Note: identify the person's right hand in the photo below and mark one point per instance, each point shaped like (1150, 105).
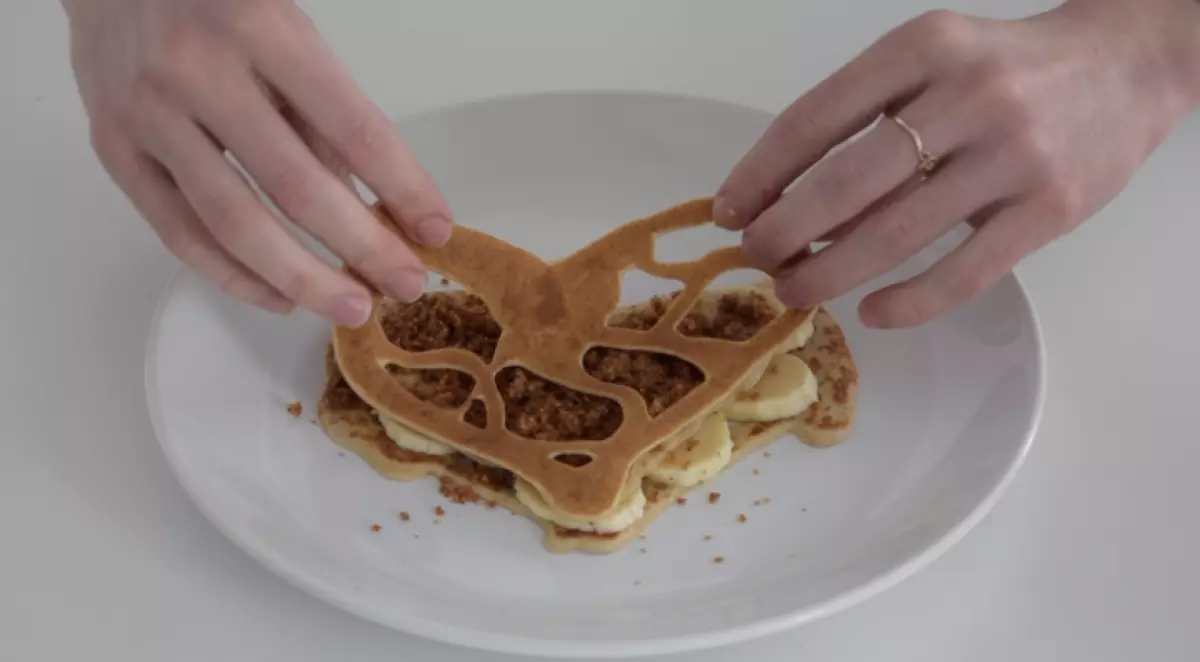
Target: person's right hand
(170, 84)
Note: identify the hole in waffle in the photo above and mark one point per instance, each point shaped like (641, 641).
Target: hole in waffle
(734, 316)
(661, 379)
(691, 243)
(438, 386)
(437, 320)
(476, 414)
(576, 460)
(637, 286)
(538, 408)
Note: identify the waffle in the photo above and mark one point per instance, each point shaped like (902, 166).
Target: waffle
(354, 425)
(530, 389)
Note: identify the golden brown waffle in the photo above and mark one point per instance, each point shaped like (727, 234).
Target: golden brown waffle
(829, 420)
(550, 316)
(350, 423)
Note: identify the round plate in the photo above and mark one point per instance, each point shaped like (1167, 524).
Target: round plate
(947, 412)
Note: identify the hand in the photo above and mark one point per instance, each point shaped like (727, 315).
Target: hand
(1037, 124)
(169, 85)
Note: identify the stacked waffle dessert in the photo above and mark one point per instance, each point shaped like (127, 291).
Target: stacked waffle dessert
(532, 390)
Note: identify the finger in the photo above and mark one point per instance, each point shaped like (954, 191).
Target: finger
(297, 62)
(885, 240)
(157, 199)
(893, 69)
(849, 182)
(304, 189)
(895, 195)
(990, 253)
(239, 222)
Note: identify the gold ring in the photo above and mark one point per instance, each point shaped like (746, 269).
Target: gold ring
(926, 161)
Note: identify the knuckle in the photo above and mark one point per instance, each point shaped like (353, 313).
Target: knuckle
(998, 87)
(939, 33)
(177, 59)
(142, 97)
(226, 219)
(178, 242)
(301, 286)
(1062, 204)
(105, 137)
(252, 18)
(970, 283)
(841, 182)
(380, 252)
(363, 138)
(1036, 155)
(797, 124)
(293, 189)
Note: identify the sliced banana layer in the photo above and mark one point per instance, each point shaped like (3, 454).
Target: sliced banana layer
(799, 337)
(786, 389)
(699, 458)
(629, 510)
(411, 440)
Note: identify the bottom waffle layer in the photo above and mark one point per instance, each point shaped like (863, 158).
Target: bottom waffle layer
(352, 424)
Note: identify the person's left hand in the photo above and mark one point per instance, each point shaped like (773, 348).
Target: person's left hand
(1036, 124)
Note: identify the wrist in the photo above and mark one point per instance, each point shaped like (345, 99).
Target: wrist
(1158, 40)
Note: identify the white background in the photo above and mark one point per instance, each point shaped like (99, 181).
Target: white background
(1091, 555)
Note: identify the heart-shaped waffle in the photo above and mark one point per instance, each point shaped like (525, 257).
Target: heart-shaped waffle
(550, 316)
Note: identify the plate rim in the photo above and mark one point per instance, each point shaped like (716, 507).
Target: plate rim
(581, 648)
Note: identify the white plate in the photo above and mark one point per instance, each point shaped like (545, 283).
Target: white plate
(948, 411)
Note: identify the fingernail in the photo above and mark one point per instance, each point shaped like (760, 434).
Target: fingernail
(405, 285)
(724, 215)
(869, 315)
(433, 230)
(351, 310)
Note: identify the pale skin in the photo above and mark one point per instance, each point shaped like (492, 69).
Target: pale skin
(1037, 123)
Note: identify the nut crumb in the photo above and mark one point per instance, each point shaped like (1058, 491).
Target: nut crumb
(445, 281)
(757, 502)
(643, 550)
(491, 505)
(341, 454)
(714, 497)
(767, 500)
(755, 472)
(707, 536)
(637, 582)
(439, 511)
(295, 409)
(681, 500)
(375, 528)
(719, 559)
(766, 453)
(742, 518)
(404, 516)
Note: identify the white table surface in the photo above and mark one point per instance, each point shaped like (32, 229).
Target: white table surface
(1090, 556)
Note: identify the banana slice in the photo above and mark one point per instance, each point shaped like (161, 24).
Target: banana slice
(799, 337)
(786, 389)
(409, 439)
(630, 509)
(700, 457)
